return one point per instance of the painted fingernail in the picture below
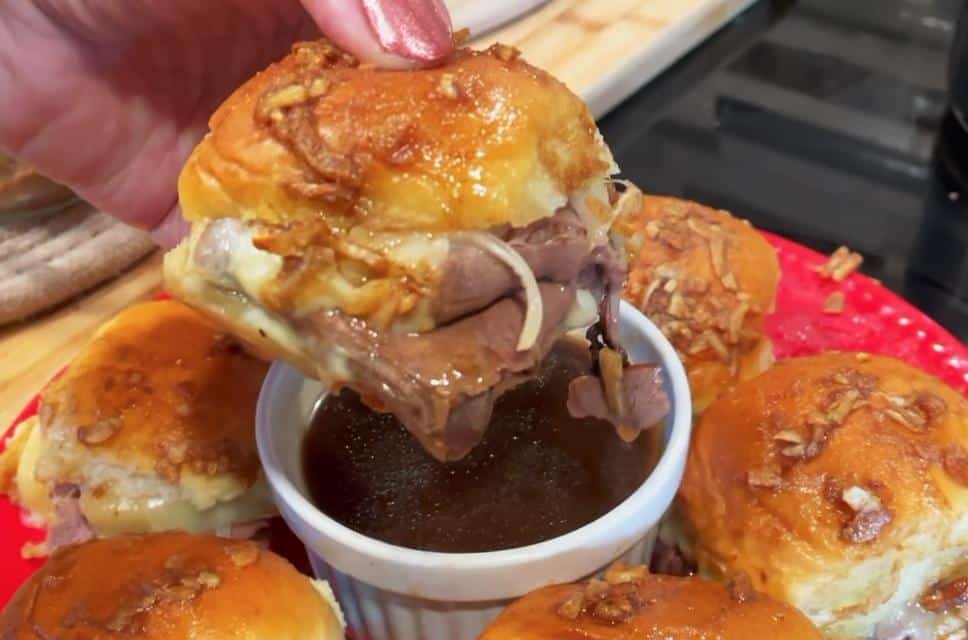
(415, 29)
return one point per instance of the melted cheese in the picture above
(583, 312)
(223, 251)
(31, 494)
(113, 513)
(592, 206)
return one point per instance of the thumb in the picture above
(171, 229)
(388, 33)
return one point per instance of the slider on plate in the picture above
(170, 586)
(421, 237)
(632, 604)
(150, 428)
(708, 280)
(839, 483)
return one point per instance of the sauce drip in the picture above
(537, 474)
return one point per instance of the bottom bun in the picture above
(171, 586)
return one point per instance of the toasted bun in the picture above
(481, 140)
(154, 421)
(649, 607)
(838, 482)
(723, 277)
(170, 586)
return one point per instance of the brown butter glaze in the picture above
(631, 604)
(163, 389)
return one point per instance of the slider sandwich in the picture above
(150, 428)
(839, 484)
(708, 280)
(421, 237)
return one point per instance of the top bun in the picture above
(631, 604)
(708, 280)
(481, 140)
(171, 586)
(838, 482)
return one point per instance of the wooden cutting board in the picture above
(607, 49)
(603, 49)
(482, 16)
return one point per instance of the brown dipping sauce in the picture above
(538, 473)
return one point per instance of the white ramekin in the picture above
(393, 593)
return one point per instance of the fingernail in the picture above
(415, 29)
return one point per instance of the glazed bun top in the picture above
(822, 464)
(171, 586)
(708, 280)
(484, 139)
(631, 604)
(159, 389)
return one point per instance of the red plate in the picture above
(874, 320)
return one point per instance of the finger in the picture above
(171, 230)
(389, 33)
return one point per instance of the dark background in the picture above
(826, 121)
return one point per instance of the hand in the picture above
(110, 96)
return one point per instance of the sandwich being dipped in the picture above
(421, 237)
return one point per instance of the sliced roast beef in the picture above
(669, 559)
(69, 525)
(633, 401)
(556, 249)
(442, 384)
(605, 274)
(629, 396)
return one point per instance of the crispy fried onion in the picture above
(597, 214)
(629, 200)
(611, 365)
(593, 209)
(534, 308)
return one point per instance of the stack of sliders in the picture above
(150, 428)
(422, 238)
